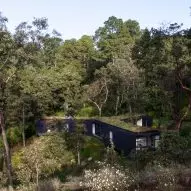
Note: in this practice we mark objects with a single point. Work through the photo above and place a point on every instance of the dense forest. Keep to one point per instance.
(120, 70)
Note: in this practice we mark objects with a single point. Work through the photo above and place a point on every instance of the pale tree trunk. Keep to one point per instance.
(188, 90)
(7, 152)
(100, 111)
(23, 130)
(97, 103)
(79, 161)
(179, 122)
(37, 176)
(117, 105)
(98, 107)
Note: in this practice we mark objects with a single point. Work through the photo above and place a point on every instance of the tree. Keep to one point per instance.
(114, 39)
(77, 50)
(7, 72)
(164, 55)
(97, 93)
(75, 141)
(124, 84)
(42, 158)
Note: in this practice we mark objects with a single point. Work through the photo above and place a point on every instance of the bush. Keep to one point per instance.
(158, 177)
(48, 185)
(95, 145)
(142, 158)
(185, 131)
(88, 111)
(60, 114)
(107, 178)
(174, 147)
(14, 135)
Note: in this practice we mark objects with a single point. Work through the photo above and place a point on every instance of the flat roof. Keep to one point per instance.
(113, 120)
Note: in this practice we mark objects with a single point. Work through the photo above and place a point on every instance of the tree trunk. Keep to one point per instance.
(117, 105)
(23, 130)
(179, 122)
(100, 111)
(130, 108)
(79, 162)
(7, 152)
(37, 177)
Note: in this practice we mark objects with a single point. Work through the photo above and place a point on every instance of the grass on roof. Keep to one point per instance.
(117, 121)
(113, 120)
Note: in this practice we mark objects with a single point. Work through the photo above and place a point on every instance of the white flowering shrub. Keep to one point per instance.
(107, 178)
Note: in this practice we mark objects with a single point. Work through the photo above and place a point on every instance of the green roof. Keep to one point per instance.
(115, 121)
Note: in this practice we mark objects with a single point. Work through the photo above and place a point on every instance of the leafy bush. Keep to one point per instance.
(88, 111)
(174, 147)
(48, 185)
(14, 135)
(30, 129)
(142, 158)
(60, 114)
(95, 145)
(185, 131)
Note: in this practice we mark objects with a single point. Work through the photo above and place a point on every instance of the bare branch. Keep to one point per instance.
(181, 83)
(6, 81)
(4, 63)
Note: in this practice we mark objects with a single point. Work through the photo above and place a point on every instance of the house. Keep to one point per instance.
(124, 140)
(123, 136)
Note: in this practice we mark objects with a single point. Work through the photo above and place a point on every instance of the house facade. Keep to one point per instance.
(124, 140)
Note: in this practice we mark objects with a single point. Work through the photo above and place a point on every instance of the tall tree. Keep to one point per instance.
(164, 55)
(7, 73)
(115, 38)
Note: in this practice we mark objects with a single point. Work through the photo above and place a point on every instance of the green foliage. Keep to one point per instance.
(93, 148)
(60, 114)
(116, 37)
(143, 158)
(87, 111)
(174, 147)
(14, 135)
(186, 130)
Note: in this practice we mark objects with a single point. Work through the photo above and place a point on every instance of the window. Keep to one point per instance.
(66, 127)
(111, 136)
(156, 140)
(93, 128)
(141, 142)
(140, 123)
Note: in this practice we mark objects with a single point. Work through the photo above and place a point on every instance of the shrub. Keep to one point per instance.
(88, 111)
(158, 177)
(142, 158)
(48, 185)
(174, 147)
(60, 113)
(92, 144)
(107, 178)
(185, 131)
(14, 135)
